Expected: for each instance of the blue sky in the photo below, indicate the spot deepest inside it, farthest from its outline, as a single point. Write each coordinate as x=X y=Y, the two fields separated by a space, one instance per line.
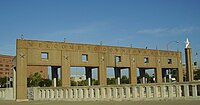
x=151 y=23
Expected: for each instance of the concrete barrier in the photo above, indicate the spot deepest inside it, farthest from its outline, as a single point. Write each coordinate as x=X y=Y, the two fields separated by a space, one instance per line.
x=119 y=92
x=6 y=94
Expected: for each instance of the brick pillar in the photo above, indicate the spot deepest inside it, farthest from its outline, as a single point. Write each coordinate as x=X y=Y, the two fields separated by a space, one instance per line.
x=158 y=75
x=65 y=69
x=188 y=59
x=180 y=70
x=102 y=70
x=21 y=77
x=132 y=71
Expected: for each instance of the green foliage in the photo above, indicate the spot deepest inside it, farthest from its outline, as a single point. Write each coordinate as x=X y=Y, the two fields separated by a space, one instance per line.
x=149 y=78
x=3 y=82
x=174 y=73
x=124 y=80
x=82 y=83
x=197 y=75
x=95 y=82
x=110 y=81
x=73 y=83
x=59 y=83
x=34 y=79
x=45 y=83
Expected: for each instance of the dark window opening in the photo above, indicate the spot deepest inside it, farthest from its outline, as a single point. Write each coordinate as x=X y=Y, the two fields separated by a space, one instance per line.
x=169 y=61
x=84 y=57
x=44 y=55
x=118 y=58
x=146 y=60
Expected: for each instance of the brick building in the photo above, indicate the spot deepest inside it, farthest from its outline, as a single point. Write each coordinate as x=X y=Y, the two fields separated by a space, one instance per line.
x=6 y=67
x=43 y=70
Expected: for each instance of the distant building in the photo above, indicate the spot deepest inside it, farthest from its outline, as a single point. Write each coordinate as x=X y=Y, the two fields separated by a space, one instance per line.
x=43 y=70
x=194 y=66
x=6 y=65
x=77 y=78
x=6 y=62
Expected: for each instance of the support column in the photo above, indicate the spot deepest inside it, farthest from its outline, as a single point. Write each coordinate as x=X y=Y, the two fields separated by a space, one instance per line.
x=164 y=75
x=102 y=70
x=88 y=71
x=21 y=86
x=170 y=75
x=142 y=74
x=158 y=75
x=14 y=82
x=54 y=76
x=189 y=70
x=180 y=70
x=65 y=70
x=117 y=71
x=132 y=71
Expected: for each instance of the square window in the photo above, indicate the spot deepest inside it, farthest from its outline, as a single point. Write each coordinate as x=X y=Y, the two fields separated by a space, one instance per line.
x=84 y=57
x=146 y=60
x=169 y=61
x=195 y=63
x=118 y=59
x=44 y=55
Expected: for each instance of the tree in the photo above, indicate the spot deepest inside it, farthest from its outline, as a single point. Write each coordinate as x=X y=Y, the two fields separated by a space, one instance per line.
x=3 y=82
x=73 y=83
x=34 y=79
x=110 y=81
x=95 y=82
x=124 y=80
x=149 y=78
x=45 y=83
x=197 y=75
x=82 y=83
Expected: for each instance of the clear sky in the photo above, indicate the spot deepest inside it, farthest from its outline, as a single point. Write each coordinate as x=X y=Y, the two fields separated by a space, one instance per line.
x=142 y=23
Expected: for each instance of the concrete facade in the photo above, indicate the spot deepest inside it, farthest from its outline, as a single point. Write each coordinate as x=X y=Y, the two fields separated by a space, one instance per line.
x=64 y=55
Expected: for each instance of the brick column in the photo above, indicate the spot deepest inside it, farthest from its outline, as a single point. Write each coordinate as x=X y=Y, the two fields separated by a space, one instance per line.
x=65 y=69
x=21 y=77
x=102 y=70
x=132 y=71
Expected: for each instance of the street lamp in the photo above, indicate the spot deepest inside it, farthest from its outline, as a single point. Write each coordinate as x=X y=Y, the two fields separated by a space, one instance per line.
x=170 y=43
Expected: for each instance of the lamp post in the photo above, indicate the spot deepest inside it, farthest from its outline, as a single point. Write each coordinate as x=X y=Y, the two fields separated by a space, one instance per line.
x=170 y=43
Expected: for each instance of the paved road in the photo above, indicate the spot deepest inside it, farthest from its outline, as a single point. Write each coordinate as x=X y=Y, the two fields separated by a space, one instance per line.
x=177 y=102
